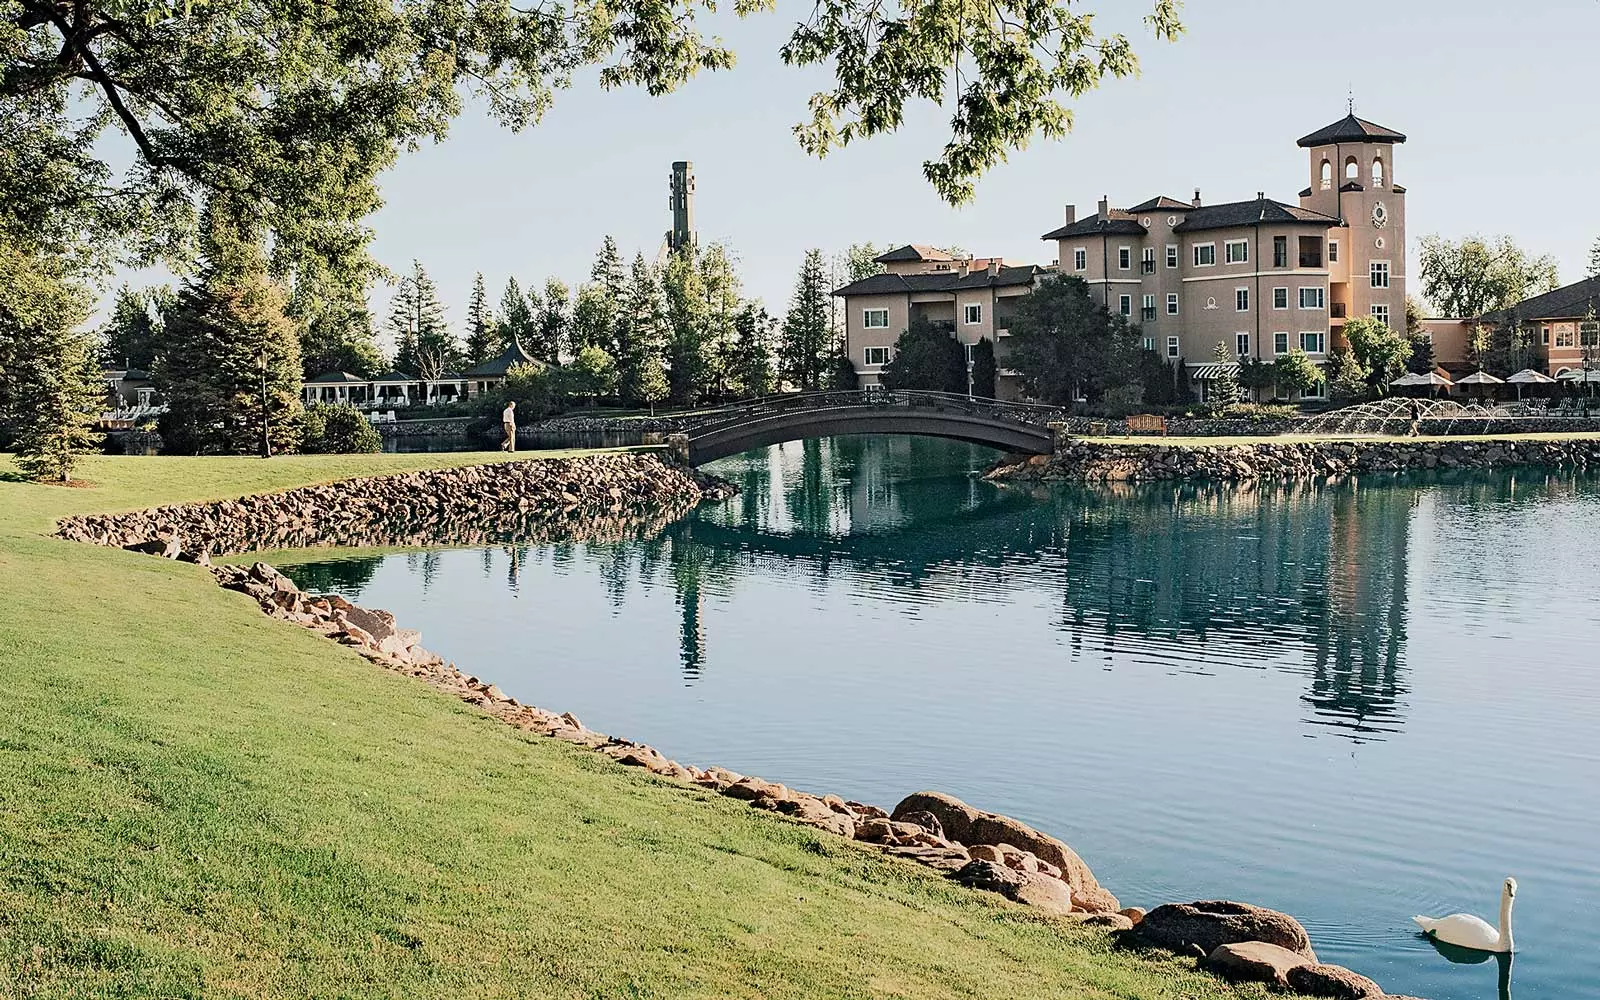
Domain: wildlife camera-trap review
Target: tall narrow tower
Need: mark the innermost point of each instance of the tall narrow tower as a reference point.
(682, 201)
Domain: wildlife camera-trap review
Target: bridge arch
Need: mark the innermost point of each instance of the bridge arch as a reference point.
(1006, 426)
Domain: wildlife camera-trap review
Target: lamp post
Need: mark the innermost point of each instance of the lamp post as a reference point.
(266, 436)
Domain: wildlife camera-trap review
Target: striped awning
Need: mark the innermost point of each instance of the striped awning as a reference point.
(1207, 372)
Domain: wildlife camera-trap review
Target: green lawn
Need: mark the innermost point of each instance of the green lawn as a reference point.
(198, 800)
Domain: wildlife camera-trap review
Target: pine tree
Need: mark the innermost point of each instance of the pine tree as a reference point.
(593, 321)
(641, 334)
(230, 369)
(335, 329)
(688, 354)
(806, 347)
(750, 365)
(50, 385)
(426, 348)
(724, 297)
(483, 338)
(516, 318)
(552, 325)
(1225, 386)
(610, 289)
(133, 333)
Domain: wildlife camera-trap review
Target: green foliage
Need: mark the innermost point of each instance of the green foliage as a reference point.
(532, 387)
(641, 337)
(1256, 376)
(1064, 343)
(337, 429)
(228, 344)
(514, 322)
(594, 319)
(724, 298)
(1158, 379)
(133, 333)
(335, 330)
(650, 385)
(1421, 360)
(750, 366)
(50, 386)
(1347, 377)
(927, 356)
(1472, 277)
(805, 351)
(984, 371)
(590, 375)
(1225, 386)
(483, 336)
(552, 323)
(689, 349)
(425, 346)
(1414, 316)
(1380, 352)
(1510, 347)
(1295, 372)
(841, 376)
(859, 261)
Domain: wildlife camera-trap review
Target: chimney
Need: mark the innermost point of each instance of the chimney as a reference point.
(965, 266)
(1261, 196)
(1072, 214)
(1105, 208)
(1196, 197)
(994, 266)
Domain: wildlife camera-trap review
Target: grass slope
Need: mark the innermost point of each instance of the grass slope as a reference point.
(197, 800)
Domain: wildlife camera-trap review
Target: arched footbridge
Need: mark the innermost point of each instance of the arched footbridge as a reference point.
(1013, 427)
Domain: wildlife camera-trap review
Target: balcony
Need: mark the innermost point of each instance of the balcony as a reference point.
(1336, 310)
(1148, 267)
(1147, 314)
(1311, 260)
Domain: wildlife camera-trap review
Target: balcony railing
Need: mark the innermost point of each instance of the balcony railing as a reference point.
(1147, 313)
(1336, 310)
(1148, 267)
(1310, 259)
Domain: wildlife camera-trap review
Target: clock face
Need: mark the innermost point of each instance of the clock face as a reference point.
(1380, 215)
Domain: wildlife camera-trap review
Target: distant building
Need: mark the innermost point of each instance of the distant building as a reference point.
(1561, 324)
(1261, 277)
(681, 200)
(397, 389)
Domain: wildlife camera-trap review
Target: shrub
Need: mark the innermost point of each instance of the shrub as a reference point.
(337, 429)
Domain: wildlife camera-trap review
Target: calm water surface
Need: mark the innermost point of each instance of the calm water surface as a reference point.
(1350, 703)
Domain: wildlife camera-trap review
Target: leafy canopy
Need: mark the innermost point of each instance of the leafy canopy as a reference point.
(1474, 276)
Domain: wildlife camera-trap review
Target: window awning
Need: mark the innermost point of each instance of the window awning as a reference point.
(1206, 372)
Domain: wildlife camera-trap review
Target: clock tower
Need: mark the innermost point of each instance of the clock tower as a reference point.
(1353, 180)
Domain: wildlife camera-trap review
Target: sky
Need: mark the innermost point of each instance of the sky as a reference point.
(1491, 96)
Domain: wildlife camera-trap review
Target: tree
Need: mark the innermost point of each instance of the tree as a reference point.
(552, 323)
(1421, 360)
(927, 356)
(724, 298)
(483, 338)
(426, 347)
(610, 283)
(1415, 316)
(860, 262)
(688, 347)
(1225, 385)
(1064, 344)
(807, 341)
(1594, 259)
(1472, 277)
(335, 329)
(230, 368)
(842, 375)
(1256, 376)
(750, 364)
(1380, 352)
(1347, 377)
(594, 318)
(515, 322)
(641, 337)
(1294, 372)
(337, 429)
(590, 375)
(984, 371)
(50, 385)
(133, 333)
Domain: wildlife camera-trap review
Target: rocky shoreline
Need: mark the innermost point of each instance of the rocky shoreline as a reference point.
(1096, 461)
(621, 496)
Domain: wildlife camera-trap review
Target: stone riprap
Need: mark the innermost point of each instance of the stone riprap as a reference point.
(1098, 461)
(596, 498)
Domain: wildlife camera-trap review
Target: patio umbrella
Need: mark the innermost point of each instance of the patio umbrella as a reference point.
(1480, 378)
(1432, 380)
(1529, 377)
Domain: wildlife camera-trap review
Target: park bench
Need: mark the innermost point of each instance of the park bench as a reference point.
(1147, 422)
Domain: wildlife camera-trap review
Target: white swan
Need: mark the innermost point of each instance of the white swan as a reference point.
(1467, 931)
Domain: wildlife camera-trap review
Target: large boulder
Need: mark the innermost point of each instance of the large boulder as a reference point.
(1255, 961)
(1333, 981)
(1041, 892)
(1208, 924)
(965, 825)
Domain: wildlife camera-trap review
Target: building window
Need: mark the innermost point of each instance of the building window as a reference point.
(1333, 251)
(1546, 336)
(1241, 344)
(1327, 174)
(1148, 312)
(1172, 347)
(875, 319)
(1150, 343)
(1172, 255)
(1313, 298)
(1205, 254)
(1280, 298)
(1241, 299)
(972, 313)
(1352, 169)
(1377, 172)
(1380, 274)
(1149, 262)
(875, 356)
(1124, 258)
(1311, 251)
(1313, 341)
(1172, 303)
(1237, 251)
(1080, 259)
(1564, 335)
(1280, 343)
(1280, 251)
(1125, 305)
(1588, 336)
(1380, 312)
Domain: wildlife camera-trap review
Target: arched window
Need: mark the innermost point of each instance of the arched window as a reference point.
(1377, 172)
(1327, 174)
(1352, 169)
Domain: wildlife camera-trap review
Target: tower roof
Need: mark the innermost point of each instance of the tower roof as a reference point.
(915, 252)
(1351, 129)
(497, 367)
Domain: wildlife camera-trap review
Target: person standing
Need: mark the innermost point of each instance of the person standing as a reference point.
(508, 420)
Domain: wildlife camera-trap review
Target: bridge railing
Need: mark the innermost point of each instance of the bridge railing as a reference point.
(871, 398)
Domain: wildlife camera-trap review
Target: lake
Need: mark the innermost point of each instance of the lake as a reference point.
(1351, 702)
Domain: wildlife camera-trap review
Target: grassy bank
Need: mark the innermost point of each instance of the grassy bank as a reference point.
(197, 800)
